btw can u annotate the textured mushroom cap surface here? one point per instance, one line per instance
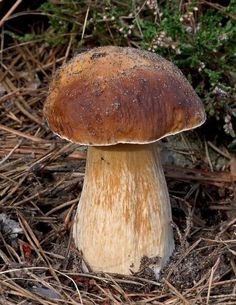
(112, 95)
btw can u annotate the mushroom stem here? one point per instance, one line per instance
(124, 216)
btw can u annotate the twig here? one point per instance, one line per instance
(22, 134)
(219, 8)
(11, 10)
(10, 153)
(208, 156)
(176, 292)
(85, 22)
(226, 155)
(213, 269)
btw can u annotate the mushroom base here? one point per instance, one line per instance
(124, 213)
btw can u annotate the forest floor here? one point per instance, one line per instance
(41, 178)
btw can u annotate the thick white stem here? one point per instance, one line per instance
(124, 215)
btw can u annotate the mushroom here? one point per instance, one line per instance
(120, 102)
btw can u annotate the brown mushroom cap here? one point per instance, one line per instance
(112, 95)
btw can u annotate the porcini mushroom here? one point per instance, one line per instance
(120, 102)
